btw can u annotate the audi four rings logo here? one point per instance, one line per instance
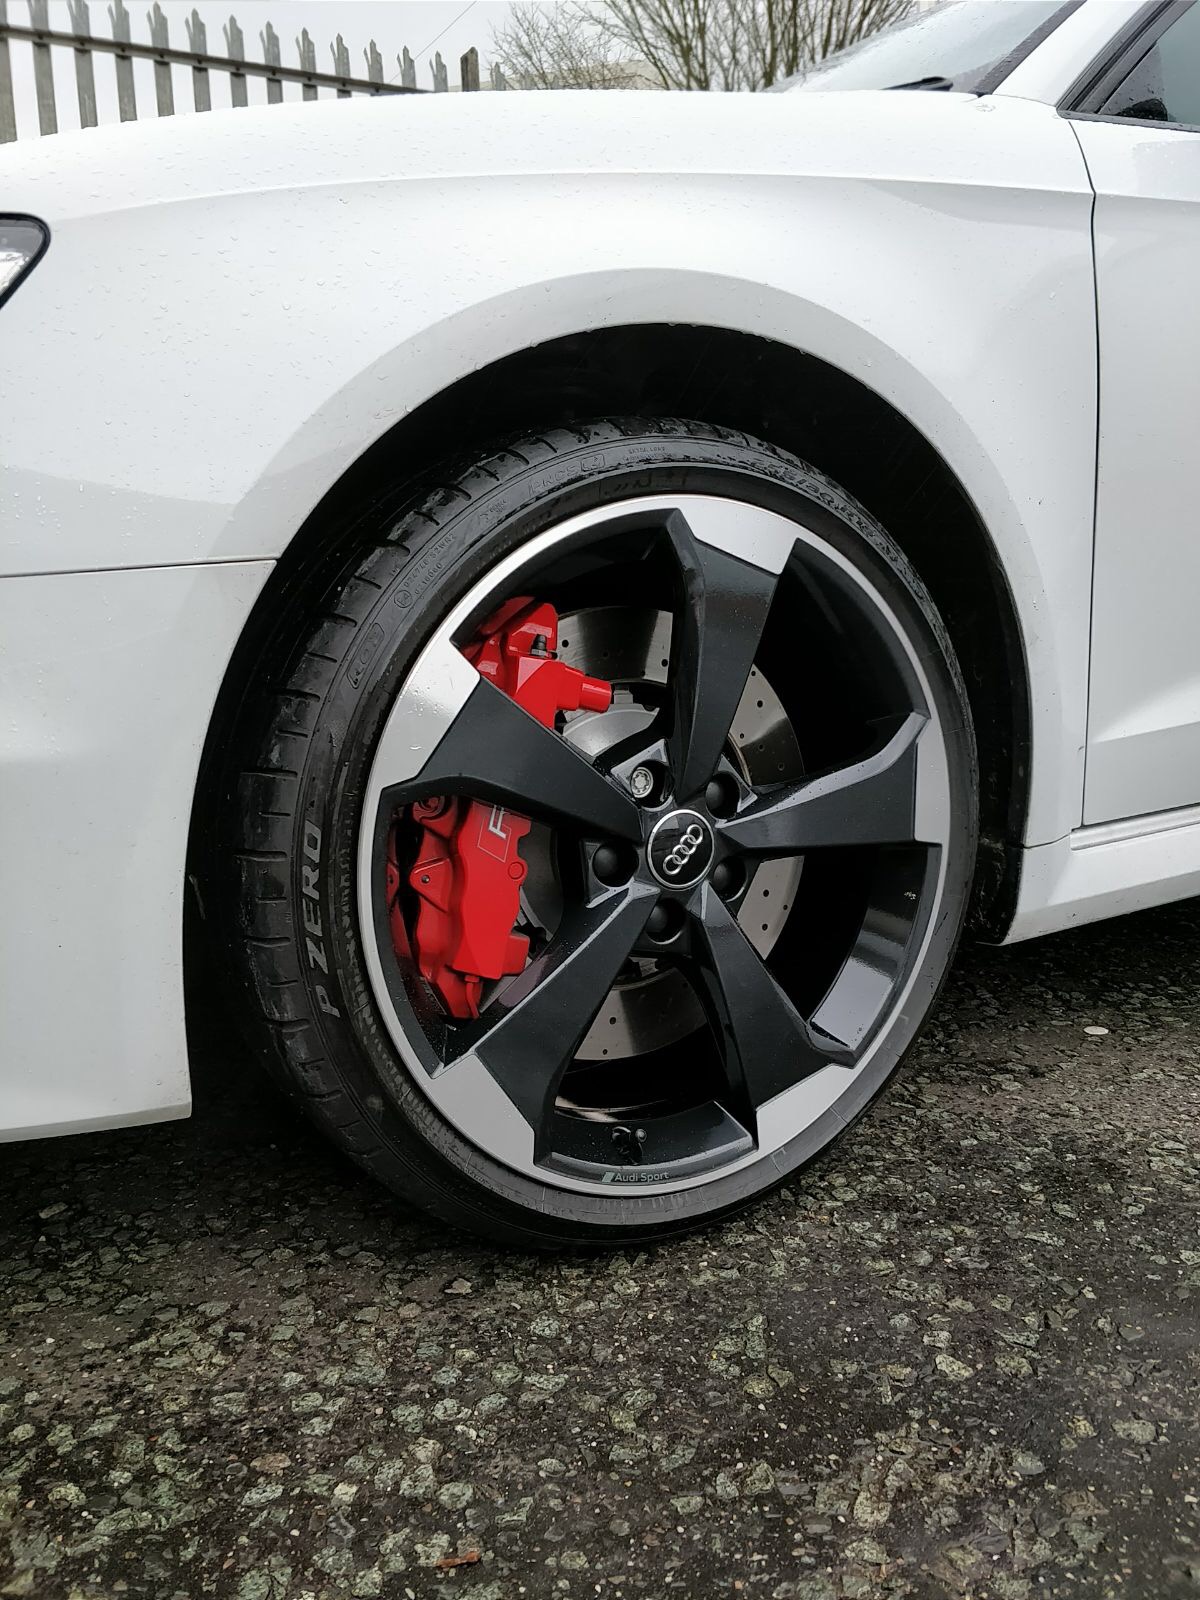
(681, 849)
(684, 850)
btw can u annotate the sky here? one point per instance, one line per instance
(425, 26)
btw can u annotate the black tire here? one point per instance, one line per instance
(299, 766)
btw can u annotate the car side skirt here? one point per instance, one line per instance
(1107, 870)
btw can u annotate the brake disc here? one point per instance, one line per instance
(652, 1006)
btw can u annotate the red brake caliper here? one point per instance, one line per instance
(468, 871)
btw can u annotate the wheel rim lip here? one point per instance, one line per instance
(435, 690)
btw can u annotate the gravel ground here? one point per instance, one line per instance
(958, 1358)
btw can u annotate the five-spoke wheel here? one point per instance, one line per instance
(657, 841)
(728, 879)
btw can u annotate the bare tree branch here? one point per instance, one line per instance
(559, 46)
(681, 44)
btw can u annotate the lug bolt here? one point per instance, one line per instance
(664, 922)
(641, 783)
(613, 865)
(720, 796)
(726, 878)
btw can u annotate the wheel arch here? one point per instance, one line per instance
(715, 375)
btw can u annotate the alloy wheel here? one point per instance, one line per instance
(656, 837)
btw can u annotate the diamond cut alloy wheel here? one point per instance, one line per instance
(622, 839)
(499, 1078)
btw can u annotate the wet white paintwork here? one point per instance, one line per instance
(234, 307)
(1052, 70)
(1144, 715)
(271, 291)
(106, 687)
(1107, 871)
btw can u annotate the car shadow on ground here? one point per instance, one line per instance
(958, 1356)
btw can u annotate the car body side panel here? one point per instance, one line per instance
(1144, 708)
(107, 682)
(261, 310)
(230, 312)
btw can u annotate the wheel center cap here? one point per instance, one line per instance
(681, 849)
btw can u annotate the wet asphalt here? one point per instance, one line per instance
(958, 1358)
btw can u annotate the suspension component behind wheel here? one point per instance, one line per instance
(468, 870)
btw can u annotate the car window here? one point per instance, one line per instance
(955, 45)
(1165, 84)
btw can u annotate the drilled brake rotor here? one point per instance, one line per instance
(650, 1007)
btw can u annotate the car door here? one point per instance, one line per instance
(1139, 127)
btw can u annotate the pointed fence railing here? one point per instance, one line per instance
(235, 65)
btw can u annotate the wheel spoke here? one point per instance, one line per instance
(765, 1043)
(491, 749)
(718, 626)
(528, 1035)
(872, 802)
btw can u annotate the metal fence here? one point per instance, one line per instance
(234, 65)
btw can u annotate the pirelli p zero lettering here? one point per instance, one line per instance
(314, 934)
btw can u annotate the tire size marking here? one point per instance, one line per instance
(314, 936)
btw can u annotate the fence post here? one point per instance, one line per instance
(43, 70)
(468, 69)
(198, 41)
(8, 110)
(118, 19)
(341, 64)
(235, 46)
(308, 63)
(85, 75)
(42, 37)
(160, 36)
(270, 45)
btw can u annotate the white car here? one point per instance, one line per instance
(592, 592)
